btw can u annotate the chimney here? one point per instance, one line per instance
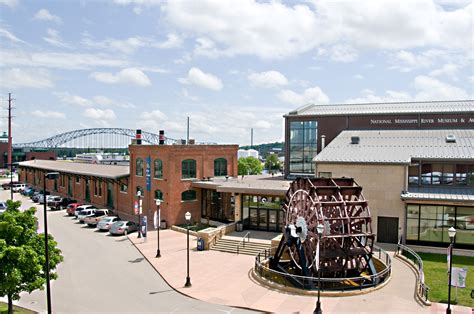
(138, 136)
(323, 141)
(191, 141)
(161, 137)
(355, 140)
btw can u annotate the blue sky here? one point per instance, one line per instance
(228, 65)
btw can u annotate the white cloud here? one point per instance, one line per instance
(369, 96)
(127, 46)
(202, 79)
(448, 69)
(55, 39)
(340, 53)
(406, 61)
(102, 100)
(126, 76)
(67, 61)
(310, 95)
(44, 15)
(358, 76)
(172, 41)
(187, 95)
(29, 78)
(49, 114)
(73, 99)
(262, 124)
(433, 89)
(268, 79)
(99, 114)
(9, 3)
(8, 35)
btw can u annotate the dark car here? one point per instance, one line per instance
(59, 203)
(8, 185)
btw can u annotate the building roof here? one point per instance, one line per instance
(95, 170)
(398, 146)
(456, 106)
(254, 184)
(439, 194)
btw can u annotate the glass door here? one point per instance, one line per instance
(272, 220)
(263, 219)
(253, 218)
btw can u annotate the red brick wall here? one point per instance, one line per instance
(172, 185)
(40, 155)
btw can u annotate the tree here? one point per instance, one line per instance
(272, 163)
(249, 165)
(22, 253)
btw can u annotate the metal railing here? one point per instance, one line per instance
(422, 289)
(327, 284)
(247, 235)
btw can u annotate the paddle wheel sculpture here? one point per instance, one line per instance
(345, 246)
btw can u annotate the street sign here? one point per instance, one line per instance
(135, 206)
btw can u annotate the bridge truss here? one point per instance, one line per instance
(95, 137)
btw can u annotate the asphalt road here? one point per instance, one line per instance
(101, 273)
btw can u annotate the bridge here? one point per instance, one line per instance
(94, 138)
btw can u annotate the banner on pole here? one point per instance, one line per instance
(458, 277)
(155, 219)
(144, 226)
(135, 206)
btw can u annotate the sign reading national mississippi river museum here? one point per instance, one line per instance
(413, 121)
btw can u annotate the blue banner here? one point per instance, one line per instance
(148, 174)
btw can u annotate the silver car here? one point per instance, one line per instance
(107, 222)
(79, 209)
(84, 213)
(123, 227)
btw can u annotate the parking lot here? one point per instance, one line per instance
(103, 273)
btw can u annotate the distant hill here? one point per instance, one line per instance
(265, 149)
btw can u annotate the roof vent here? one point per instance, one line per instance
(355, 139)
(450, 138)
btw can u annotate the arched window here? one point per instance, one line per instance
(158, 195)
(139, 188)
(158, 169)
(139, 167)
(189, 195)
(220, 167)
(188, 168)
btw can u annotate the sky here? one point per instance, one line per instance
(228, 65)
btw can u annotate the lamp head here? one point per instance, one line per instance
(139, 193)
(452, 233)
(51, 175)
(188, 216)
(320, 229)
(158, 202)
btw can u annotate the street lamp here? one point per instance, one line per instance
(452, 234)
(320, 229)
(188, 220)
(47, 176)
(158, 203)
(139, 195)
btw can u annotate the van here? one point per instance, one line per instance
(18, 187)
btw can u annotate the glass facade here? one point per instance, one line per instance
(441, 174)
(303, 146)
(429, 224)
(217, 206)
(262, 212)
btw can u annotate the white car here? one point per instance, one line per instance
(105, 223)
(79, 209)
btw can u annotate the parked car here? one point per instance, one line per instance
(3, 207)
(106, 222)
(18, 187)
(79, 209)
(27, 190)
(85, 213)
(52, 201)
(92, 220)
(41, 199)
(123, 227)
(59, 203)
(71, 208)
(7, 185)
(37, 195)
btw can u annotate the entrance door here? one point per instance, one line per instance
(387, 229)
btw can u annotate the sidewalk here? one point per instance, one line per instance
(224, 278)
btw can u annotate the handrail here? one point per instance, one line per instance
(329, 284)
(422, 288)
(247, 235)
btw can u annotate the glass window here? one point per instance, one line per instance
(158, 195)
(158, 173)
(303, 146)
(470, 175)
(123, 187)
(412, 229)
(461, 174)
(139, 167)
(189, 195)
(413, 175)
(188, 169)
(220, 167)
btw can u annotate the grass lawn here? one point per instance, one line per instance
(436, 277)
(4, 309)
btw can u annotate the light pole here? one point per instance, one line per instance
(188, 220)
(139, 194)
(320, 229)
(158, 226)
(50, 176)
(11, 181)
(452, 234)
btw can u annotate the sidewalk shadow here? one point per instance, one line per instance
(137, 260)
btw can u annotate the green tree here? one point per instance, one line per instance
(22, 253)
(249, 165)
(272, 163)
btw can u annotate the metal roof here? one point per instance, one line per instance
(455, 106)
(95, 170)
(439, 194)
(398, 146)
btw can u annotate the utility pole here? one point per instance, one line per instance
(10, 150)
(251, 138)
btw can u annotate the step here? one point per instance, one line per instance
(230, 246)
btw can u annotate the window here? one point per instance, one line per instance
(158, 169)
(139, 188)
(325, 174)
(220, 167)
(139, 167)
(78, 180)
(303, 146)
(123, 187)
(189, 195)
(97, 188)
(188, 168)
(158, 195)
(413, 175)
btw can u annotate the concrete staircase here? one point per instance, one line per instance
(230, 246)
